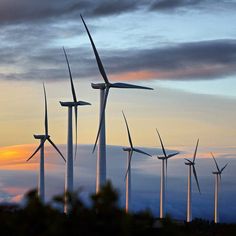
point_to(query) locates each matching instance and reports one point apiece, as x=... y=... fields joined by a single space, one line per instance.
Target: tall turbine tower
x=101 y=134
x=130 y=151
x=43 y=138
x=163 y=176
x=217 y=174
x=69 y=162
x=191 y=166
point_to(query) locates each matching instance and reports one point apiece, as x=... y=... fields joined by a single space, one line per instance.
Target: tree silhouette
x=103 y=217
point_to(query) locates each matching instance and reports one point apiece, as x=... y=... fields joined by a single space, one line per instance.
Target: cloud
x=15 y=12
x=210 y=59
x=33 y=33
x=192 y=60
x=145 y=179
x=173 y=4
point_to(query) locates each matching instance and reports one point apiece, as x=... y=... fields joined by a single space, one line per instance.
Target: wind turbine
x=43 y=138
x=69 y=162
x=191 y=166
x=163 y=176
x=130 y=151
x=101 y=134
x=217 y=186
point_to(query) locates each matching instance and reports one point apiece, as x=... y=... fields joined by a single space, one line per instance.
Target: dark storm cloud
x=15 y=11
x=115 y=7
x=173 y=4
x=195 y=60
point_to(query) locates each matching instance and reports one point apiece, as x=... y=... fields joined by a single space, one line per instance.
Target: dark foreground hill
x=102 y=217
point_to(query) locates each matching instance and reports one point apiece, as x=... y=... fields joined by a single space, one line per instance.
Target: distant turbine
x=191 y=165
x=43 y=138
x=101 y=134
x=130 y=151
x=69 y=163
x=163 y=176
x=217 y=186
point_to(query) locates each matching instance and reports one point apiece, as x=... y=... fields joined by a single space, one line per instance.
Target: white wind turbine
x=163 y=176
x=130 y=151
x=101 y=134
x=217 y=187
x=69 y=162
x=191 y=165
x=43 y=138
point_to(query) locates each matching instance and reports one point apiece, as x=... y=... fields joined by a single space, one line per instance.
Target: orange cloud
x=134 y=75
x=188 y=72
x=14 y=190
x=14 y=158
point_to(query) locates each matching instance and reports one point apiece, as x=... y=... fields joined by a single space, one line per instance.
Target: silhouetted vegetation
x=102 y=217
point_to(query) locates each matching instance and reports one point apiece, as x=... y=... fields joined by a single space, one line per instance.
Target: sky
x=184 y=49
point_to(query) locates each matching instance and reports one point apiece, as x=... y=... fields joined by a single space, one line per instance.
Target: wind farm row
x=100 y=145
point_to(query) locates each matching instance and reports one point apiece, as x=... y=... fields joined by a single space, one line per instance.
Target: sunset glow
x=181 y=54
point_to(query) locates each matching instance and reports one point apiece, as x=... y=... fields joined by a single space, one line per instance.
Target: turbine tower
x=163 y=176
x=69 y=162
x=191 y=166
x=101 y=134
x=217 y=174
x=43 y=138
x=130 y=151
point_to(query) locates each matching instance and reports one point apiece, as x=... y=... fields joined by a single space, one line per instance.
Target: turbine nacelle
x=168 y=156
x=106 y=85
x=217 y=167
x=192 y=163
x=98 y=85
x=189 y=163
x=127 y=149
x=74 y=104
x=131 y=149
x=216 y=173
x=45 y=137
x=165 y=157
x=41 y=136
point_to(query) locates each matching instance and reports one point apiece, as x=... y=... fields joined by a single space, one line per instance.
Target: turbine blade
x=195 y=176
x=37 y=149
x=82 y=103
x=195 y=152
x=142 y=152
x=217 y=167
x=102 y=117
x=129 y=165
x=127 y=127
x=71 y=80
x=173 y=154
x=46 y=111
x=162 y=146
x=54 y=145
x=76 y=130
x=99 y=62
x=129 y=86
x=223 y=168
